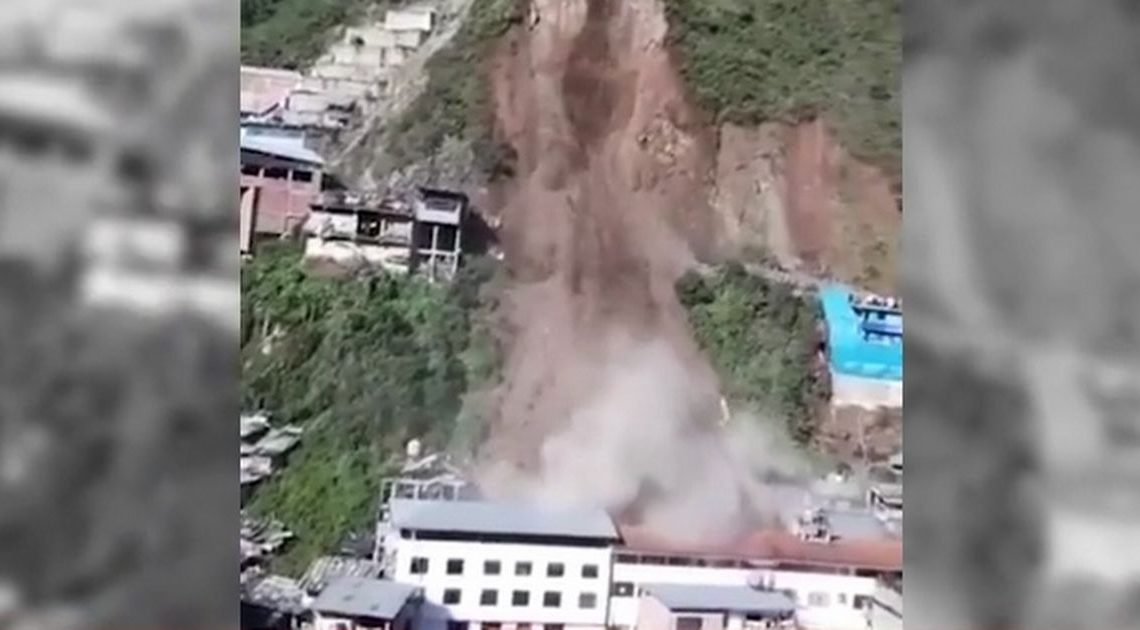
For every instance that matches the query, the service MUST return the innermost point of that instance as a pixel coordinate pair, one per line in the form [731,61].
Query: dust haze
[647,444]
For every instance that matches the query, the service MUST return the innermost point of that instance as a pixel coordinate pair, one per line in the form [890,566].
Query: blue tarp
[867,346]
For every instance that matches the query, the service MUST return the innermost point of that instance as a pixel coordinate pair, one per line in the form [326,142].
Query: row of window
[455,566]
[520,599]
[275,172]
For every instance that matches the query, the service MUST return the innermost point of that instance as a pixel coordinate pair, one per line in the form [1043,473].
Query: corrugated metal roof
[364,597]
[487,517]
[288,148]
[743,599]
[328,569]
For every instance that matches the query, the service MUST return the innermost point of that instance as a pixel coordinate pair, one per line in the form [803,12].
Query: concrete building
[697,607]
[417,233]
[352,603]
[351,229]
[495,565]
[265,91]
[832,578]
[280,180]
[438,232]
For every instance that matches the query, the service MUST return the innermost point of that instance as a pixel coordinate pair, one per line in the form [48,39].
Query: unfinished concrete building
[437,243]
[399,234]
[355,229]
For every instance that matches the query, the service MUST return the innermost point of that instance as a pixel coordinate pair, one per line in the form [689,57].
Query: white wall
[869,393]
[834,616]
[472,582]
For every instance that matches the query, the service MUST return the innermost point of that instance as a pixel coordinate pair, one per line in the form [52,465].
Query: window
[522,626]
[555,569]
[492,567]
[862,602]
[587,600]
[302,176]
[589,570]
[522,568]
[551,599]
[490,625]
[553,626]
[455,566]
[792,595]
[818,599]
[456,625]
[689,623]
[623,589]
[520,598]
[841,599]
[250,169]
[489,597]
[276,172]
[419,566]
[451,596]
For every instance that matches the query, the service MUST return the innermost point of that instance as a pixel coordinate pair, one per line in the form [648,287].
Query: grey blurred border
[128,518]
[1021,273]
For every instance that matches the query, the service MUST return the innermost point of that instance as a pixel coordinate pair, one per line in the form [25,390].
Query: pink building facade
[280,179]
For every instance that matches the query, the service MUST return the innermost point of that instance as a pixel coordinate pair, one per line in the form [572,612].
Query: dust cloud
[646,445]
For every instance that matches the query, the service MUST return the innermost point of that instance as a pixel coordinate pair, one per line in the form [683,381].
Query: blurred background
[118,313]
[1022,276]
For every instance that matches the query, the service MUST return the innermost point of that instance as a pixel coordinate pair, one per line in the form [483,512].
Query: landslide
[606,211]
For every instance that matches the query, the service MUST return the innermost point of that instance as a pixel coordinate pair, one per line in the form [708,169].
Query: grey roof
[279,441]
[278,593]
[855,524]
[745,599]
[329,568]
[288,148]
[252,425]
[364,597]
[487,517]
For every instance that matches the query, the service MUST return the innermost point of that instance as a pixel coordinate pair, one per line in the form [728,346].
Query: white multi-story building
[833,581]
[485,565]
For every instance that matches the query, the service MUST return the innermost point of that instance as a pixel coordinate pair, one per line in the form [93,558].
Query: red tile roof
[776,546]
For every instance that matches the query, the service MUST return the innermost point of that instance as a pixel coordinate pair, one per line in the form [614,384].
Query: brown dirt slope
[620,185]
[607,206]
[791,193]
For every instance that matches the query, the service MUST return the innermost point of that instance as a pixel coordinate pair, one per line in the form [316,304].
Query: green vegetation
[750,61]
[761,338]
[364,364]
[293,33]
[456,101]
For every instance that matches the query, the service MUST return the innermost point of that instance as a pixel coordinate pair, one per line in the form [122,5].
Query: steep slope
[607,398]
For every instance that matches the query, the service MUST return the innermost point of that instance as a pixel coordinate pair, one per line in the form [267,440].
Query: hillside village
[364,490]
